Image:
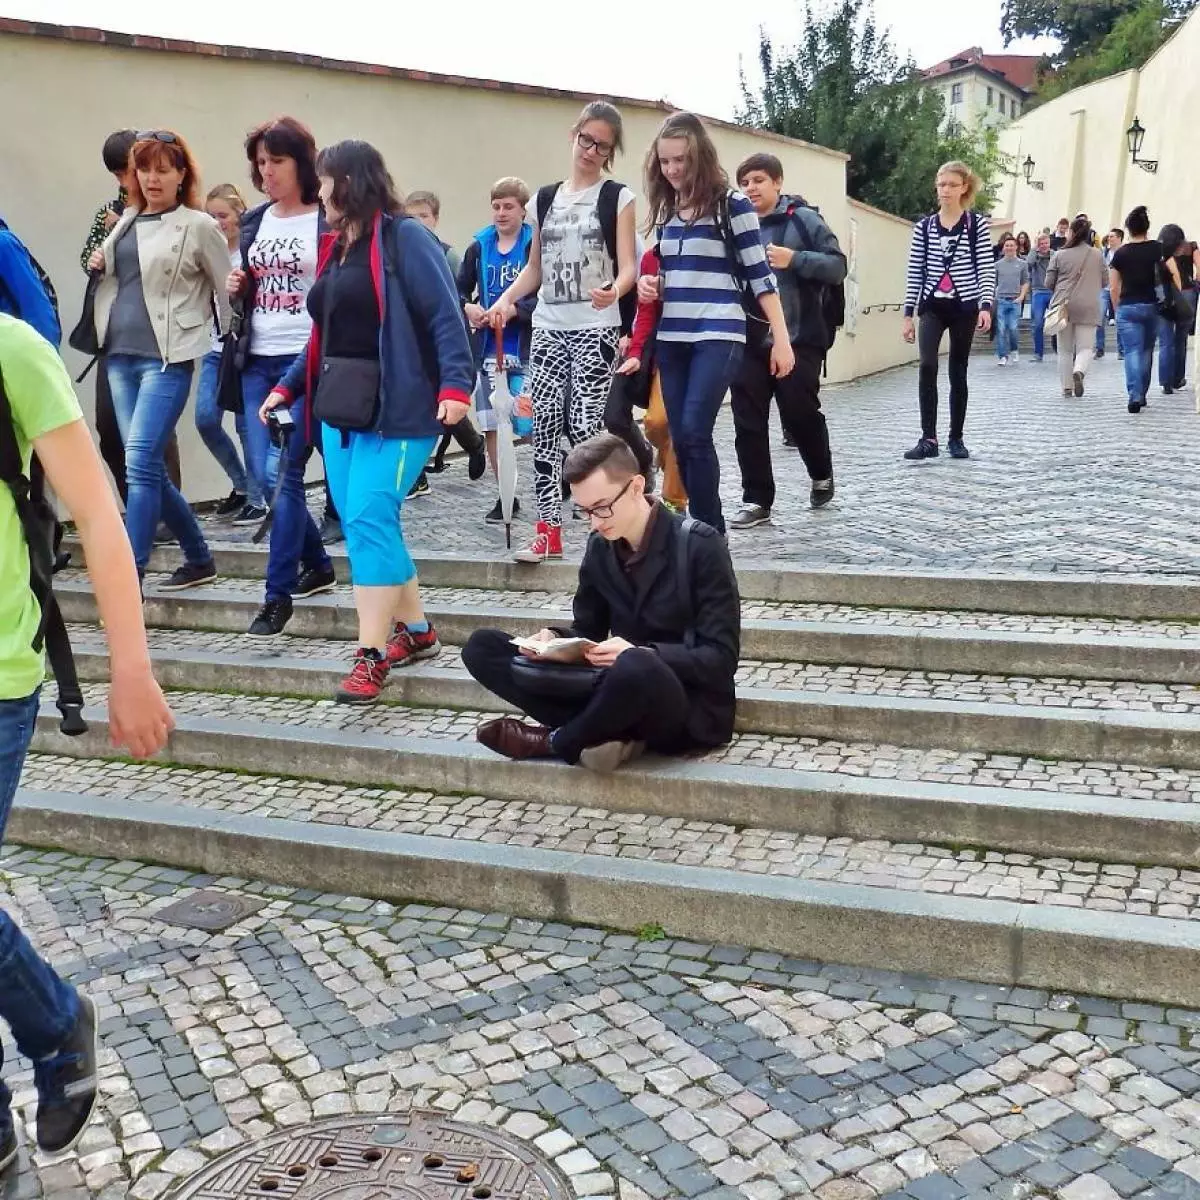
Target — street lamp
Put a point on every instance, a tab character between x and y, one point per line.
1135	135
1029	166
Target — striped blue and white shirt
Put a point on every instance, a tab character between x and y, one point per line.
702	301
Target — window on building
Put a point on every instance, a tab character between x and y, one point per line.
1002	100
956	93
991	97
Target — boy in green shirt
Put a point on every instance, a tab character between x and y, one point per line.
52	1024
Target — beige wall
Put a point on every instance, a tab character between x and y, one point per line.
1078	143
453	139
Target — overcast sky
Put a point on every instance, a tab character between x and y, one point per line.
691	58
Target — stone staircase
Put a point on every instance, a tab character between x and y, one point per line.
988	777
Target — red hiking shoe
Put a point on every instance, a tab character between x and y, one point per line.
366	678
547	543
405	647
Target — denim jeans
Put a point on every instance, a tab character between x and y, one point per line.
1138	326
149	398
695	378
1037	318
209	418
295	539
261	374
1008	316
38	1006
1106	313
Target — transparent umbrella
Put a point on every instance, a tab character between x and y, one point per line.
503	406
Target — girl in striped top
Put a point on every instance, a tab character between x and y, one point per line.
714	268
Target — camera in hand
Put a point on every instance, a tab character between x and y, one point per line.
280	424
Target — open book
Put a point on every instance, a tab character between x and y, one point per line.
560	650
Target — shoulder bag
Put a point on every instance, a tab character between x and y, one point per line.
1057	316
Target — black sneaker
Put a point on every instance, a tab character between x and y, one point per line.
331	531
750	515
821	493
496	512
233	503
66	1085
314	581
9	1146
958	448
190	575
419	488
164	537
272	617
250	514
477	463
925	448
1099	354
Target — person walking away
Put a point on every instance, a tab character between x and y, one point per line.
1112	243
950	285
389	346
658	599
1175	322
1077	276
713	262
245	503
164	265
1133	276
52	1023
493	261
1012	286
582	262
807	260
278	267
1039	263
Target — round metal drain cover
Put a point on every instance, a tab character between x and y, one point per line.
421	1156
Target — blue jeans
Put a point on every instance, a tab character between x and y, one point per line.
40	1008
209	417
695	377
1037	318
1137	325
1106	313
149	398
1008	316
261	374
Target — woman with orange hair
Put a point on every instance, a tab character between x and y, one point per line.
164	269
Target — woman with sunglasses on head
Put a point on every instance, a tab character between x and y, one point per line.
164	266
582	262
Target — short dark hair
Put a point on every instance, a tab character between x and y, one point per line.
116	149
429	199
1138	221
287	138
362	186
1172	238
1118	231
605	452
760	162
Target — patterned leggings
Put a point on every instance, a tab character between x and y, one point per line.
571	370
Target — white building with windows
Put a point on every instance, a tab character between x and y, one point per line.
987	89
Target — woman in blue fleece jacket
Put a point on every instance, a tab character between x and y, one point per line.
387	326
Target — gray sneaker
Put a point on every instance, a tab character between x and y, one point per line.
748	516
608	756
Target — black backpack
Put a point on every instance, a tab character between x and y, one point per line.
43	279
833	295
42	535
606	210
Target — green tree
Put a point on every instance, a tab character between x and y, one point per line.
844	86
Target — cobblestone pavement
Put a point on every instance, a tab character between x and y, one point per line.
1110	887
1052	484
642	1068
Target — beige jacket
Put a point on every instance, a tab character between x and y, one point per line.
1077	275
185	261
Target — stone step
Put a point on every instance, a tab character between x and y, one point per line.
1100	594
741	784
992	940
1168	652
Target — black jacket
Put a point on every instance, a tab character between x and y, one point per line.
699	641
471	291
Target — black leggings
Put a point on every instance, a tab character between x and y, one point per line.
938	317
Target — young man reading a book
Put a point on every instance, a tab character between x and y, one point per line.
658	598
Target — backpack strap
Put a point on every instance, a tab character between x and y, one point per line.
683	574
545	198
606	212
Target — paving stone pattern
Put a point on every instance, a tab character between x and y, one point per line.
1107	887
644	1069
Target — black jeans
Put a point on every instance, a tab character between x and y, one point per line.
112	449
938	317
798	397
640	699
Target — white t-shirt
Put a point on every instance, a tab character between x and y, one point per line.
235	264
575	260
283	260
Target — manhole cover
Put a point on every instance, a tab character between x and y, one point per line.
418	1157
209	910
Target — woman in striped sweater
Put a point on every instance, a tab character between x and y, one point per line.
951	287
714	280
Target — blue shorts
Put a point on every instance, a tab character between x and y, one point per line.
369	479
483	391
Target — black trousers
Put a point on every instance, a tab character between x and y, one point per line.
798	397
640	699
938	318
112	448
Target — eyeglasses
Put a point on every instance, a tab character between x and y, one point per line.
157	135
604	510
587	142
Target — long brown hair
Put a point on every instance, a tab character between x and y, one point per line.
707	181
150	150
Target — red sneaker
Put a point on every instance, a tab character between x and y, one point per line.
406	647
366	678
547	543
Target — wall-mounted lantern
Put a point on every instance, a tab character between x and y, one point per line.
1135	135
1029	166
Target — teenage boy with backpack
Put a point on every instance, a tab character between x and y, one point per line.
52	1023
810	269
25	289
